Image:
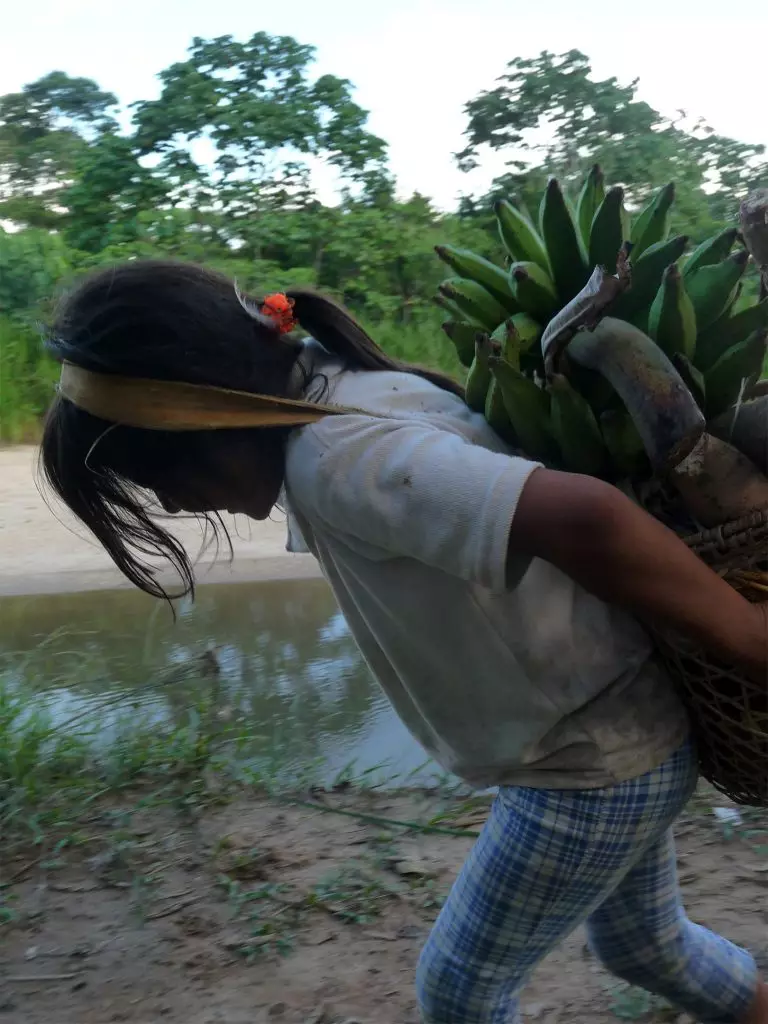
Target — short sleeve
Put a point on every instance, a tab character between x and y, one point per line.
409	489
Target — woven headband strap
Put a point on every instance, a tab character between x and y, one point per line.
175	405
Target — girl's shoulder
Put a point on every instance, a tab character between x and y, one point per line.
404	397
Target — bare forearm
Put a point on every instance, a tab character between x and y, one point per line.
605	543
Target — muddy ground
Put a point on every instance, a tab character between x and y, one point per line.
259	911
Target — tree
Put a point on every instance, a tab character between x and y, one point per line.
586	121
256	104
44	131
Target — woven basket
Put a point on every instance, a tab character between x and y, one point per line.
729	712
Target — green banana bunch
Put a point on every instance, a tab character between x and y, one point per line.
590	198
609	231
534	290
520	237
474	300
652	224
672	318
527	406
685	348
566	257
468	265
576	431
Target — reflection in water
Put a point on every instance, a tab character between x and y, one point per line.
279	653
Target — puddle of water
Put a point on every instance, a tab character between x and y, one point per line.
279	652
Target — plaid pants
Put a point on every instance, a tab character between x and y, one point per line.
548	861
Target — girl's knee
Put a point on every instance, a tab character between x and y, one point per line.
641	957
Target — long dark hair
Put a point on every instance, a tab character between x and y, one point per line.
171	320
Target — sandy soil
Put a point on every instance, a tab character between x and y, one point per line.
256	912
44	551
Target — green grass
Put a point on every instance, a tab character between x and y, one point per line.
27	377
423	343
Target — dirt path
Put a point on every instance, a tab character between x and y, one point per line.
42	551
256	912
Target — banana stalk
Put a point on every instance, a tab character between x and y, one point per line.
718	483
745	426
661	406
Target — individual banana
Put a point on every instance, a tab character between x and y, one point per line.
624	444
534	290
712	287
528	330
712	250
528	409
735	372
566	257
479	376
474	301
590	198
672	319
462	334
521	239
693	378
609	231
576	431
507	338
506	342
728	331
453	310
647	274
468	264
652	223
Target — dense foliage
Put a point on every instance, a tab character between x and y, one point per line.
219	169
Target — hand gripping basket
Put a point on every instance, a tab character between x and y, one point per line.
729	712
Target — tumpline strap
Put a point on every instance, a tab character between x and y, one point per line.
176	405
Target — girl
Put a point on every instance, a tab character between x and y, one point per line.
496	601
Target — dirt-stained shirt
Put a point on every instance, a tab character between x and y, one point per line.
507	672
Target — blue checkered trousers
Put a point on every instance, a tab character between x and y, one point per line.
548	861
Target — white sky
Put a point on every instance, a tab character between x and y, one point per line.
415	63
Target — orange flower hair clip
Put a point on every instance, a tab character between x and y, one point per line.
279	309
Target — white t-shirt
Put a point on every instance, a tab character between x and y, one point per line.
505	679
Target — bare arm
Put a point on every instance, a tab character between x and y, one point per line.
609	546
